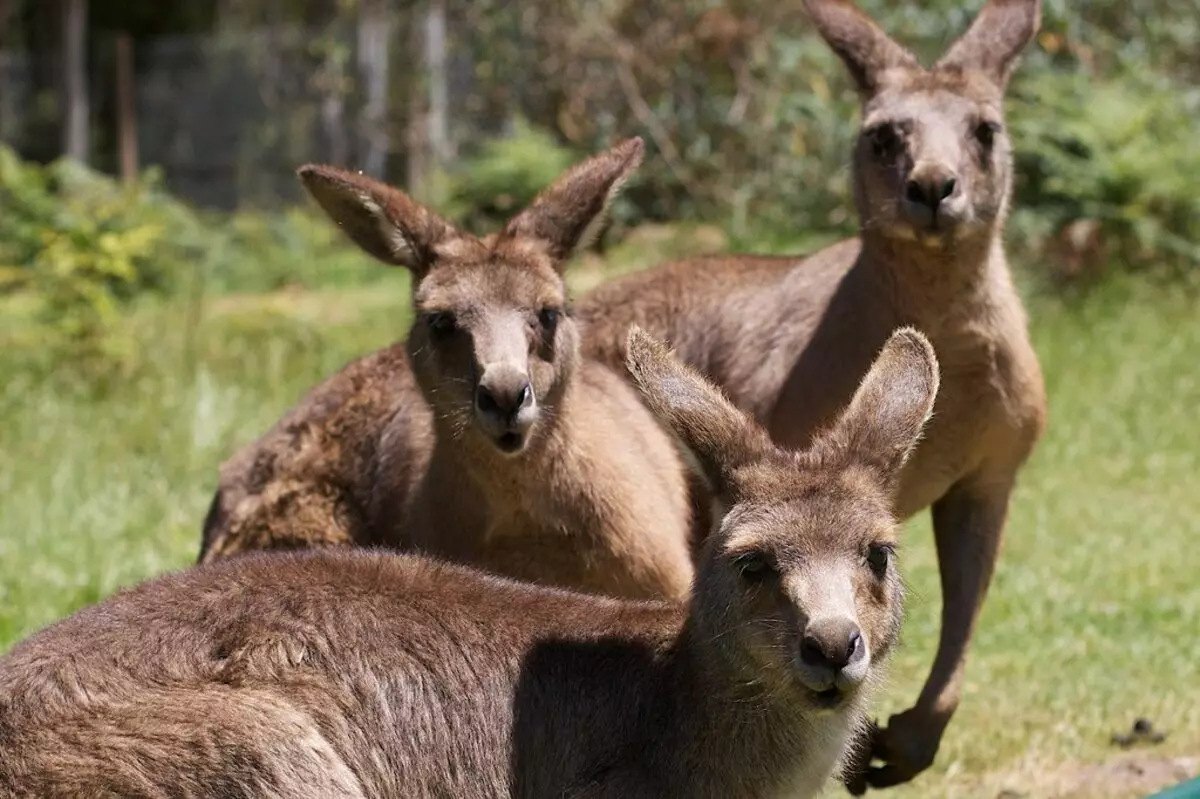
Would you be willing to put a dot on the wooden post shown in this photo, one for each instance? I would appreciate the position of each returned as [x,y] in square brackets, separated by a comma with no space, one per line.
[75,82]
[127,132]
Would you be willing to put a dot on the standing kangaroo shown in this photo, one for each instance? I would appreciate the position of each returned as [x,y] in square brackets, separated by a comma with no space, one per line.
[336,673]
[788,337]
[527,460]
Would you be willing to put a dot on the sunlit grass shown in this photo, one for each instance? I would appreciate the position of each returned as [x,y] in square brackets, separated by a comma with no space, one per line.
[1093,619]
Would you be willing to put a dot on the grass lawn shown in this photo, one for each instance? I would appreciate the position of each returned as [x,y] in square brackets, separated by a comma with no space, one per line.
[1093,620]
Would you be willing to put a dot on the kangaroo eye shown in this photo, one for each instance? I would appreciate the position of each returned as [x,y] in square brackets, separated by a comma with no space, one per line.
[441,323]
[878,558]
[754,566]
[548,317]
[885,141]
[985,134]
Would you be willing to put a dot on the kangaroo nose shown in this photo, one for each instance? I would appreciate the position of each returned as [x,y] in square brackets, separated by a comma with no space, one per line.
[834,645]
[505,399]
[930,189]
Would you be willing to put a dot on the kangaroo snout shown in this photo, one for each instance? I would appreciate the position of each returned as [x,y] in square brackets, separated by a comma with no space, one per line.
[833,655]
[505,405]
[930,195]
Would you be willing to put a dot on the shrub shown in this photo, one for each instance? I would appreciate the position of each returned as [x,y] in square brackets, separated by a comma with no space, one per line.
[79,247]
[82,245]
[1106,171]
[504,175]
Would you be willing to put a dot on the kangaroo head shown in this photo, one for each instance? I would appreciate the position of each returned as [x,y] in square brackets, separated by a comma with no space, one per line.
[933,161]
[797,590]
[492,344]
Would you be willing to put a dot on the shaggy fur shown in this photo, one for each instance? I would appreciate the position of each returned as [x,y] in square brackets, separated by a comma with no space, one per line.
[349,673]
[580,488]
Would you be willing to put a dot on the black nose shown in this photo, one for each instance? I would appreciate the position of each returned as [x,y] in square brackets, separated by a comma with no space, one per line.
[832,645]
[930,191]
[503,401]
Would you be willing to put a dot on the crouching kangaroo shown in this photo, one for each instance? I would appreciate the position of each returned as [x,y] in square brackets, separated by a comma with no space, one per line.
[789,337]
[350,673]
[504,449]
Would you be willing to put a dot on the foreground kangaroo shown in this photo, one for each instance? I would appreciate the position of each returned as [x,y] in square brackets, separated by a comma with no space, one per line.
[788,338]
[346,673]
[534,464]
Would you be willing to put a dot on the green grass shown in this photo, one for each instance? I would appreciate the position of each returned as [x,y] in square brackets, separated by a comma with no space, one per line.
[1093,619]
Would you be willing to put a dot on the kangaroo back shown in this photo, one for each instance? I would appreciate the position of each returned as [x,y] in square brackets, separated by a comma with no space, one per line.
[359,673]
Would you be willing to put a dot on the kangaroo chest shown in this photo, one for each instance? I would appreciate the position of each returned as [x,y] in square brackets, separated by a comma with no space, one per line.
[974,403]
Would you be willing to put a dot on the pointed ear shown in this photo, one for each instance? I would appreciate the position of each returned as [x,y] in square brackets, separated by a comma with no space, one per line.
[383,221]
[566,216]
[884,420]
[719,437]
[862,45]
[995,39]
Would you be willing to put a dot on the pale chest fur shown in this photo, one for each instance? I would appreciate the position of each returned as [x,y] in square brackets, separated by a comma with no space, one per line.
[811,773]
[987,415]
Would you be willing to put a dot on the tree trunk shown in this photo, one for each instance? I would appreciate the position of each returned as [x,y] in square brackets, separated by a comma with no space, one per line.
[374,35]
[127,132]
[435,71]
[333,110]
[75,85]
[6,11]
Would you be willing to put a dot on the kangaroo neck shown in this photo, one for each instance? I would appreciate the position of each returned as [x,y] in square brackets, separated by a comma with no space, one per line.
[930,285]
[730,736]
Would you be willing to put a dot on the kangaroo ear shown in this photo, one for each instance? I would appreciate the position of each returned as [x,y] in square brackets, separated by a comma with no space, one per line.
[884,420]
[568,215]
[862,45]
[995,39]
[383,221]
[718,436]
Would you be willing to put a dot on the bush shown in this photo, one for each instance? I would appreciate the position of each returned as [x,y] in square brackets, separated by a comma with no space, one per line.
[505,175]
[77,247]
[252,251]
[1106,172]
[748,116]
[82,244]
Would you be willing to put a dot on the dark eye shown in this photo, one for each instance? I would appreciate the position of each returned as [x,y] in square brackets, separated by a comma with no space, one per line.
[548,317]
[885,141]
[985,133]
[754,566]
[441,323]
[878,557]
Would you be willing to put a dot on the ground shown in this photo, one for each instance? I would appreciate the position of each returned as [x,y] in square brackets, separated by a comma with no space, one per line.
[1091,623]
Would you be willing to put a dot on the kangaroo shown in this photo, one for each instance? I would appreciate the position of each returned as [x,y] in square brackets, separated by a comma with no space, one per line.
[343,672]
[522,458]
[788,337]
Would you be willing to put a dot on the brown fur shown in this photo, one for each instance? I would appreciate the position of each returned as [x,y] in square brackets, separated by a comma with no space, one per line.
[592,495]
[353,673]
[788,337]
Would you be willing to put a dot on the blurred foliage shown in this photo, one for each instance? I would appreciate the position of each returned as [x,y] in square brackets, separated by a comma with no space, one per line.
[503,176]
[748,116]
[1105,175]
[80,247]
